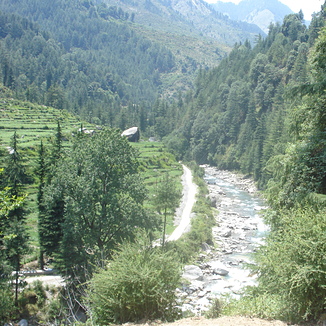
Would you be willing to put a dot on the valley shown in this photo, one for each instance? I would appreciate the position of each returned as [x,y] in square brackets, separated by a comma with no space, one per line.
[209,93]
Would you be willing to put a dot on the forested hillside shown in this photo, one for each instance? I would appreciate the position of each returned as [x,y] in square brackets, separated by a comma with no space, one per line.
[262,112]
[81,59]
[106,63]
[240,114]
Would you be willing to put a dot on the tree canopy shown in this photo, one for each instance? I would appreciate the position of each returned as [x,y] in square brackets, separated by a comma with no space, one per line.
[103,196]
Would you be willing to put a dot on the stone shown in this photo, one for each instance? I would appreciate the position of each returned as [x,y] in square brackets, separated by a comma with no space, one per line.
[213,200]
[23,322]
[220,271]
[192,273]
[205,247]
[226,233]
[195,286]
[132,134]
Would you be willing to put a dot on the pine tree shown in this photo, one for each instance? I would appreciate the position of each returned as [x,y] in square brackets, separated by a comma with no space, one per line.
[14,232]
[42,173]
[52,208]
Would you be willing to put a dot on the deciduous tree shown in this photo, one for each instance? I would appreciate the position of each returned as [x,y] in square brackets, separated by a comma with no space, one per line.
[103,196]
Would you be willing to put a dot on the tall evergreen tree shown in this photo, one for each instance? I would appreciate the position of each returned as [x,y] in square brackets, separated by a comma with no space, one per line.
[42,174]
[52,211]
[15,235]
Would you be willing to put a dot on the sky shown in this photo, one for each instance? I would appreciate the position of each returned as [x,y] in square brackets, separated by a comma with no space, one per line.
[307,6]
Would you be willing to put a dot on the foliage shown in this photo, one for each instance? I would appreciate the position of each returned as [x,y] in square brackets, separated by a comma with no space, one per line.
[292,263]
[73,59]
[42,303]
[215,309]
[238,116]
[291,270]
[14,237]
[166,199]
[6,304]
[257,304]
[102,194]
[138,283]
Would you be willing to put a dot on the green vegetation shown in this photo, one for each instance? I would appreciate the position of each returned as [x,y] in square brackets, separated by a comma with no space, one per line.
[139,283]
[261,111]
[96,196]
[188,246]
[167,197]
[80,59]
[33,122]
[62,176]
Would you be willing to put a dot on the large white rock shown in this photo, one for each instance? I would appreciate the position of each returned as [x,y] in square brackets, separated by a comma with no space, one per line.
[192,273]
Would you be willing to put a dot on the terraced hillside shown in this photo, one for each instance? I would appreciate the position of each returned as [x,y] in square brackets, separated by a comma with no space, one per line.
[34,122]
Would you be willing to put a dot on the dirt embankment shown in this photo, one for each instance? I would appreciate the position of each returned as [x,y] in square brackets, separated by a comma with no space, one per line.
[223,321]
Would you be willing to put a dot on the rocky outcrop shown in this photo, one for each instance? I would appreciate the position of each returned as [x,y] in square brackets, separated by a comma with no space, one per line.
[132,134]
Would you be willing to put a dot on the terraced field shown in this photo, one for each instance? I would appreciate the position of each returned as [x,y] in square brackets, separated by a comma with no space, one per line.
[33,122]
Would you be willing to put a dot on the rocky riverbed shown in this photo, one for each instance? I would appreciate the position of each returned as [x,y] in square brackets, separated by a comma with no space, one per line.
[239,230]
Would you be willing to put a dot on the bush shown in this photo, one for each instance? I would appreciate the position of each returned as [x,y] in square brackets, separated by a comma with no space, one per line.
[139,283]
[292,264]
[255,304]
[215,309]
[7,307]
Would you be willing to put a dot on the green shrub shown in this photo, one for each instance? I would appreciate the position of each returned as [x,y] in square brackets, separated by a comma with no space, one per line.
[292,264]
[215,309]
[6,304]
[139,283]
[255,304]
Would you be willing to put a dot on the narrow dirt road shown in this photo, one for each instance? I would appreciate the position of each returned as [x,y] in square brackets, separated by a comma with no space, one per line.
[187,203]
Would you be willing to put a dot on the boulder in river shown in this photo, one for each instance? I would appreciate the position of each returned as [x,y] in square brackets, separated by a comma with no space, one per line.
[226,233]
[192,273]
[220,271]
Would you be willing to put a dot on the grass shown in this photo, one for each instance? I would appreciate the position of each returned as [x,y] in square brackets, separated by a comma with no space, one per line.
[155,161]
[33,122]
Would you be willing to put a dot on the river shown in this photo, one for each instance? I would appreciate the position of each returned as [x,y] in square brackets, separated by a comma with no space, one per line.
[238,232]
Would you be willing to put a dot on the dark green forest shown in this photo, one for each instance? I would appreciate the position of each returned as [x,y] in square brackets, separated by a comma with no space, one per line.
[81,57]
[260,112]
[243,114]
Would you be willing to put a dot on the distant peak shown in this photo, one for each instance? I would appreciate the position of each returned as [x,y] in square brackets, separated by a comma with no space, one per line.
[259,12]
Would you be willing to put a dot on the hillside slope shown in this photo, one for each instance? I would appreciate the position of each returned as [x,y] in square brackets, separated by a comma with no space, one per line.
[194,17]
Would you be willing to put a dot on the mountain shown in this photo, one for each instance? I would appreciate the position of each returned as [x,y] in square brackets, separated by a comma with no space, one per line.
[188,17]
[102,60]
[258,12]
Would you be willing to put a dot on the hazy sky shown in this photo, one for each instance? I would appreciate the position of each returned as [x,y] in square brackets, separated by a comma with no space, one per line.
[307,6]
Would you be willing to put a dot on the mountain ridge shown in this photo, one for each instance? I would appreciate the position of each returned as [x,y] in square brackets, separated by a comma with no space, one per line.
[258,12]
[192,17]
